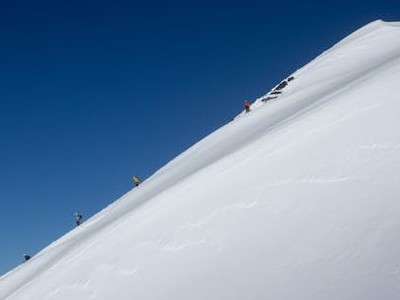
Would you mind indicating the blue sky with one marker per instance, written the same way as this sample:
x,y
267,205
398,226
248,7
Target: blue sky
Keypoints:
x,y
93,92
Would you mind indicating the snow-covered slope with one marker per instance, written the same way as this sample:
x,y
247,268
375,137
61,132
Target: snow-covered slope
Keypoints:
x,y
298,199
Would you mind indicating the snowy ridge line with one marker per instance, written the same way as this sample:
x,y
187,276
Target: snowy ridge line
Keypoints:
x,y
283,193
289,118
115,204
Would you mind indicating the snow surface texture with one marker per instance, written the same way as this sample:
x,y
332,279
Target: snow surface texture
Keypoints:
x,y
297,200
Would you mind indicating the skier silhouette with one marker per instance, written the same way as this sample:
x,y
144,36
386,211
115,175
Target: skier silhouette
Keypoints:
x,y
27,257
78,218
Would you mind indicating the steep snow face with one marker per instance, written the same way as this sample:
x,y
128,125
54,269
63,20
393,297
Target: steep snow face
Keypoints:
x,y
298,199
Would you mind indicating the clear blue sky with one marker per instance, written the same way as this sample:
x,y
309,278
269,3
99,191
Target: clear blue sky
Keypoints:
x,y
93,92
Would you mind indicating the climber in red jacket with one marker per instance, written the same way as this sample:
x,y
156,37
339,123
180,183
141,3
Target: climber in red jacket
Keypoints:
x,y
247,106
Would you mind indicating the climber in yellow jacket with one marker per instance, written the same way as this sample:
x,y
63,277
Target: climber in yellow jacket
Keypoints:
x,y
136,180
